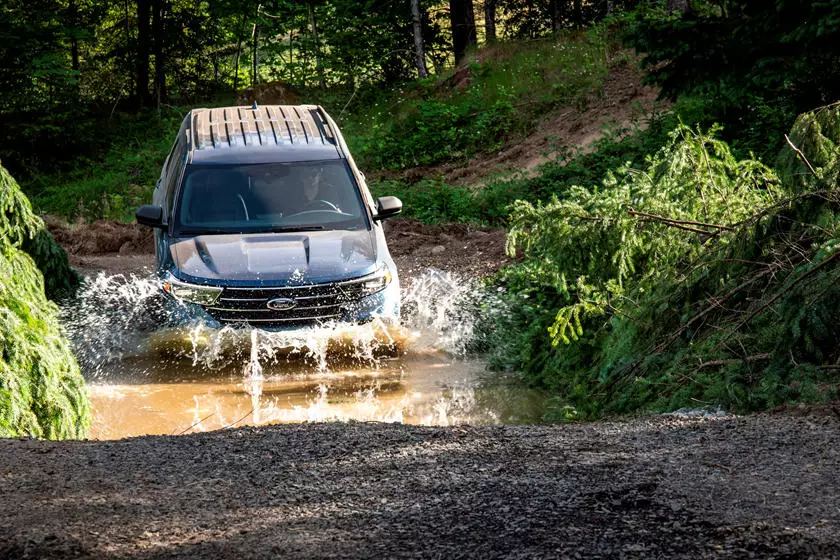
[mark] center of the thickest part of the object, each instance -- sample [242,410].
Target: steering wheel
[321,204]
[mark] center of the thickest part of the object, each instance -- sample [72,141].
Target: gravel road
[763,486]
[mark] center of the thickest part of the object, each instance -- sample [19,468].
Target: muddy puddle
[144,379]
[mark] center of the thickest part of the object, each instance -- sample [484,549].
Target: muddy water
[434,389]
[144,379]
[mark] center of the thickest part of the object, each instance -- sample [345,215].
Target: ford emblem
[281,304]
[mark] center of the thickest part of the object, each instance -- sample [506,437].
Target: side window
[173,171]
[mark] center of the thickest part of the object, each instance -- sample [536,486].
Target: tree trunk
[473,35]
[291,57]
[74,54]
[681,6]
[463,27]
[554,6]
[142,60]
[158,35]
[238,55]
[74,37]
[419,52]
[255,50]
[490,21]
[318,67]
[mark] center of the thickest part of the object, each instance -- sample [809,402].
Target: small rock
[438,249]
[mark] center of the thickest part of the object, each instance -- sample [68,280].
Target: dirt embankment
[624,102]
[763,486]
[104,245]
[117,248]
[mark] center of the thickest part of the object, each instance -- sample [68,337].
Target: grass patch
[124,178]
[502,93]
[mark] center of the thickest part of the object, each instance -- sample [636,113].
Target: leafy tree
[760,63]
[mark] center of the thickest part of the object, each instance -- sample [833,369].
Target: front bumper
[335,305]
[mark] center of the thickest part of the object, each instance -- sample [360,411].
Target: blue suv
[262,219]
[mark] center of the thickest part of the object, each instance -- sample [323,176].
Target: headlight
[377,282]
[193,293]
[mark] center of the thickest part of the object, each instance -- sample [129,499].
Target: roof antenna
[254,106]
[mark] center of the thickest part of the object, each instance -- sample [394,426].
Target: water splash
[109,318]
[442,308]
[119,316]
[123,330]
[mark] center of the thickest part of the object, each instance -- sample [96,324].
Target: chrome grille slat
[315,303]
[319,318]
[267,310]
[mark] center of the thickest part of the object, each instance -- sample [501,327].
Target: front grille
[315,304]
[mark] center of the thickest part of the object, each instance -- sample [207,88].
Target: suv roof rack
[266,125]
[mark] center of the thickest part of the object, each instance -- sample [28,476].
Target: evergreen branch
[677,223]
[755,217]
[714,304]
[746,360]
[802,157]
[778,294]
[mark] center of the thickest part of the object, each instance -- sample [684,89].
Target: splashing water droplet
[122,327]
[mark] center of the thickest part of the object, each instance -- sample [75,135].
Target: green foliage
[816,134]
[693,281]
[124,179]
[503,92]
[432,201]
[41,388]
[761,62]
[24,230]
[437,132]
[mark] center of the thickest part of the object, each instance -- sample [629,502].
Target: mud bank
[667,487]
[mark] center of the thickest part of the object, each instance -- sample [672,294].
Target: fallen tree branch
[801,156]
[676,223]
[748,359]
[715,304]
[778,294]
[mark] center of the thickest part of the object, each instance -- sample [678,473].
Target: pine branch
[747,360]
[802,157]
[678,223]
[715,304]
[779,294]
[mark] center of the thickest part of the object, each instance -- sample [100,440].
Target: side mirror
[150,215]
[387,206]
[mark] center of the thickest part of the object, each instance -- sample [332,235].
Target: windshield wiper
[281,229]
[204,232]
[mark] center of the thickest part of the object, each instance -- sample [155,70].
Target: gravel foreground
[764,486]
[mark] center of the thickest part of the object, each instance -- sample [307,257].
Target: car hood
[309,257]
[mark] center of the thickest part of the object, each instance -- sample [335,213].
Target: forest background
[687,258]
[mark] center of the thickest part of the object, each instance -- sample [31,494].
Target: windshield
[251,198]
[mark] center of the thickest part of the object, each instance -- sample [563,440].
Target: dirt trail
[763,486]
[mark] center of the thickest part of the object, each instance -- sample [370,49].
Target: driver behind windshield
[267,196]
[315,195]
[289,194]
